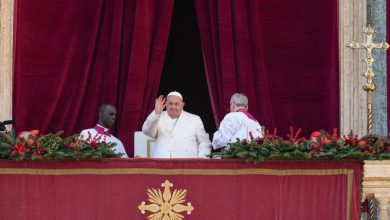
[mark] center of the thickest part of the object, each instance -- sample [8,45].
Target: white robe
[119,148]
[235,125]
[184,137]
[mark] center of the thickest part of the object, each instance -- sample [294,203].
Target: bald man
[178,134]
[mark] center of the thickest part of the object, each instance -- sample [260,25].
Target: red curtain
[282,54]
[217,189]
[71,56]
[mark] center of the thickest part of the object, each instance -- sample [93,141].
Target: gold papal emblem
[166,205]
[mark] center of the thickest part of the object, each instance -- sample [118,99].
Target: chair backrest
[143,145]
[4,124]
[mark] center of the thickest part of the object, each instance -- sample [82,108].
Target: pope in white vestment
[178,134]
[239,123]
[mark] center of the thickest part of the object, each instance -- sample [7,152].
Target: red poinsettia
[19,149]
[35,132]
[315,134]
[295,139]
[39,151]
[351,139]
[94,144]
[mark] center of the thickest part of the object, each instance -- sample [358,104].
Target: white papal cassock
[183,137]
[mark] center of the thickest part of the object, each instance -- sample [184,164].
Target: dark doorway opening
[183,69]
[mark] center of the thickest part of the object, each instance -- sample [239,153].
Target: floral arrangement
[320,145]
[32,145]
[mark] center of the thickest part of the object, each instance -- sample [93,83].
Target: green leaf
[252,154]
[260,158]
[9,138]
[227,156]
[298,154]
[385,155]
[243,154]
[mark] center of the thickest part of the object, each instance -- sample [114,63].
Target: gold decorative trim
[376,178]
[203,172]
[349,192]
[166,205]
[156,171]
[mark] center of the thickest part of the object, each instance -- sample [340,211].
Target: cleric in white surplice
[178,134]
[101,131]
[239,123]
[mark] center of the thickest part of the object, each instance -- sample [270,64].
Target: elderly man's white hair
[239,100]
[175,93]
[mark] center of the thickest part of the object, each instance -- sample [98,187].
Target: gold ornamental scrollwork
[166,205]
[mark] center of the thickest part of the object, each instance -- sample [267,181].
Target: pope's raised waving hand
[159,105]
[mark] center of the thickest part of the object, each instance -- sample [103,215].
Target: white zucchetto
[175,94]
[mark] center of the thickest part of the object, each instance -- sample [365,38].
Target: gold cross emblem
[370,86]
[166,205]
[369,46]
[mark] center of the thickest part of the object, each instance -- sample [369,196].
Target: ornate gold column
[6,51]
[353,100]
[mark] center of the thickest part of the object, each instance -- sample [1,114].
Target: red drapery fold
[217,189]
[72,56]
[233,58]
[282,54]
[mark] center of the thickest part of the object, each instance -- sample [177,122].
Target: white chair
[143,145]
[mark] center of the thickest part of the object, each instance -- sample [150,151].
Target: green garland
[33,146]
[320,145]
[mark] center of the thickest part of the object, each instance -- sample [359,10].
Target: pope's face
[174,106]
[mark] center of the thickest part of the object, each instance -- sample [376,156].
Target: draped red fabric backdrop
[217,189]
[71,56]
[282,54]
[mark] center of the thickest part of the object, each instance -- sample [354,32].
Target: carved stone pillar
[376,17]
[353,99]
[6,48]
[383,206]
[376,181]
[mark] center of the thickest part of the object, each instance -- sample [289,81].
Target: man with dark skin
[107,116]
[101,131]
